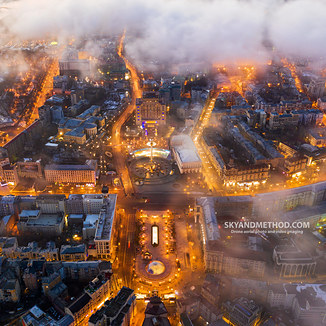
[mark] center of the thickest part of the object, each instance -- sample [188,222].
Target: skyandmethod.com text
[266,225]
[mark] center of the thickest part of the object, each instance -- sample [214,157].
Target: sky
[178,30]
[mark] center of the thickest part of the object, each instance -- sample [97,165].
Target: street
[118,151]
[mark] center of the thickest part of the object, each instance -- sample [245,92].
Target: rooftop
[72,249]
[6,242]
[238,251]
[29,213]
[105,221]
[303,212]
[92,196]
[276,195]
[75,216]
[45,220]
[313,294]
[90,220]
[185,320]
[81,302]
[211,225]
[69,123]
[155,307]
[51,197]
[78,132]
[37,317]
[157,321]
[75,197]
[115,305]
[102,265]
[68,167]
[185,148]
[97,283]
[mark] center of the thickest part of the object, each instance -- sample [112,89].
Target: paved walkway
[159,252]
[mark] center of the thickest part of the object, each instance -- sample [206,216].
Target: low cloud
[178,31]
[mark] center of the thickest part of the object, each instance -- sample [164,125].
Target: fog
[177,31]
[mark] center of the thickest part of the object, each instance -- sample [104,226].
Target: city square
[162,163]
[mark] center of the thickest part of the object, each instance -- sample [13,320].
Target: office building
[92,203]
[7,224]
[317,137]
[33,222]
[8,246]
[74,204]
[10,289]
[73,252]
[15,147]
[36,316]
[9,174]
[51,204]
[33,251]
[106,229]
[8,205]
[96,293]
[150,112]
[69,173]
[242,312]
[73,64]
[116,311]
[89,226]
[85,270]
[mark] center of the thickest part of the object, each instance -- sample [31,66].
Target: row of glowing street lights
[209,175]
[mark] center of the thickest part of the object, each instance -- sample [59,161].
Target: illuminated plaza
[155,267]
[163,163]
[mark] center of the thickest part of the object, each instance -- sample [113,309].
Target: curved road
[117,149]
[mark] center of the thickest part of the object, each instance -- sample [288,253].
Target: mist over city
[163,163]
[178,31]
